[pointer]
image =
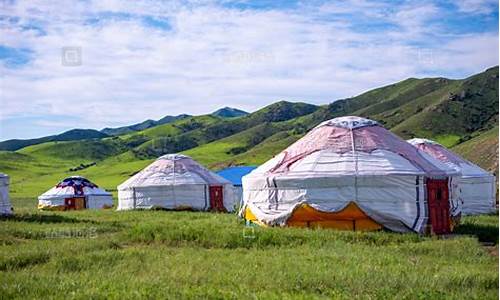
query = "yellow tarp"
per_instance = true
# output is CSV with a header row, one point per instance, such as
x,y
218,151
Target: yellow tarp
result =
x,y
349,218
52,207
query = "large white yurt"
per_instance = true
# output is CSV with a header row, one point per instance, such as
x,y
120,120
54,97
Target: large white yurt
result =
x,y
5,206
477,187
175,181
351,173
74,193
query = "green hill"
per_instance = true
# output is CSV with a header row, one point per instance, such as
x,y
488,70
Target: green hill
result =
x,y
71,135
482,149
143,125
462,114
229,112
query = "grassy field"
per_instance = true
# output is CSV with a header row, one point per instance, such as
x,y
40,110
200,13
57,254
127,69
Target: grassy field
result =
x,y
153,254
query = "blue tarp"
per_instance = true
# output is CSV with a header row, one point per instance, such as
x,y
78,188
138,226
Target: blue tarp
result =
x,y
234,174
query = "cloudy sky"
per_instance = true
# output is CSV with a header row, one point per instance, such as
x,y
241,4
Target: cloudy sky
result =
x,y
95,64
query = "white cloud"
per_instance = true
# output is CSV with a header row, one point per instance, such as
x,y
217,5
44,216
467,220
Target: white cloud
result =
x,y
476,6
215,56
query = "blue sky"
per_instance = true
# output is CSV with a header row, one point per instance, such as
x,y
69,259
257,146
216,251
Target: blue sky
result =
x,y
145,59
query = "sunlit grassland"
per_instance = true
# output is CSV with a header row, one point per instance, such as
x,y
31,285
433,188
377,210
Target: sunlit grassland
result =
x,y
153,254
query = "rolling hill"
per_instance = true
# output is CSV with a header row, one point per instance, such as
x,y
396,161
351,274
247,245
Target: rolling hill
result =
x,y
143,125
462,114
71,135
229,112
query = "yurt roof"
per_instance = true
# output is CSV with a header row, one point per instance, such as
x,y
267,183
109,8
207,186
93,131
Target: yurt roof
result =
x,y
234,174
441,153
173,169
77,180
352,145
73,186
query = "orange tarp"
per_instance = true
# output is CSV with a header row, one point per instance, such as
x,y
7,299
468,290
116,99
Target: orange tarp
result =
x,y
349,218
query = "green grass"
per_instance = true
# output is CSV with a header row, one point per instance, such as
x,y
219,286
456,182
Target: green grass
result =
x,y
447,140
482,149
158,254
230,147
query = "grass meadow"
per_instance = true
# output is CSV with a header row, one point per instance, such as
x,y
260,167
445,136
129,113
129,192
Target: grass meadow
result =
x,y
192,255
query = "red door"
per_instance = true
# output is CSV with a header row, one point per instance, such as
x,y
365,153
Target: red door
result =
x,y
216,198
74,203
69,203
439,206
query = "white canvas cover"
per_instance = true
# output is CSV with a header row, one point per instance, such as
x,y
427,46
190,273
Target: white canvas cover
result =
x,y
5,206
75,186
343,160
477,187
173,181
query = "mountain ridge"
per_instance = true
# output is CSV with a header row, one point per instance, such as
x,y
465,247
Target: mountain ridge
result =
x,y
142,125
229,112
70,135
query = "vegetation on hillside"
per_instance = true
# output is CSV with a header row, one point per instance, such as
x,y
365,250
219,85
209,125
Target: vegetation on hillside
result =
x,y
143,125
71,135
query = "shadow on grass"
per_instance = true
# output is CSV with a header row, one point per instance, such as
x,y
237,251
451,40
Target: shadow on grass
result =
x,y
484,233
42,218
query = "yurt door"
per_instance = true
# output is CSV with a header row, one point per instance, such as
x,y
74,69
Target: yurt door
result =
x,y
216,198
74,203
439,207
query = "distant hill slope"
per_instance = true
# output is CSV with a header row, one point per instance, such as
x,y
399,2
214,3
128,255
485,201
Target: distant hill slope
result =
x,y
482,149
447,110
229,112
143,125
71,135
462,114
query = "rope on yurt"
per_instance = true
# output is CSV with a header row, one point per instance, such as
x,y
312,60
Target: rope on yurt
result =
x,y
355,165
173,186
134,197
205,187
417,193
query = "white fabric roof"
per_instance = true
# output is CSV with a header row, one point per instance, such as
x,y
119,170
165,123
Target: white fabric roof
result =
x,y
350,122
173,169
326,159
449,158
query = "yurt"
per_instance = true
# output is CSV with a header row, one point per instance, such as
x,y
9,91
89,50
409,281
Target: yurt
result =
x,y
477,187
75,193
350,173
5,206
175,181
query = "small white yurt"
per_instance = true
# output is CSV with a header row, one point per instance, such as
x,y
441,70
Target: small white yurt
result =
x,y
175,181
477,187
74,193
351,173
5,206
